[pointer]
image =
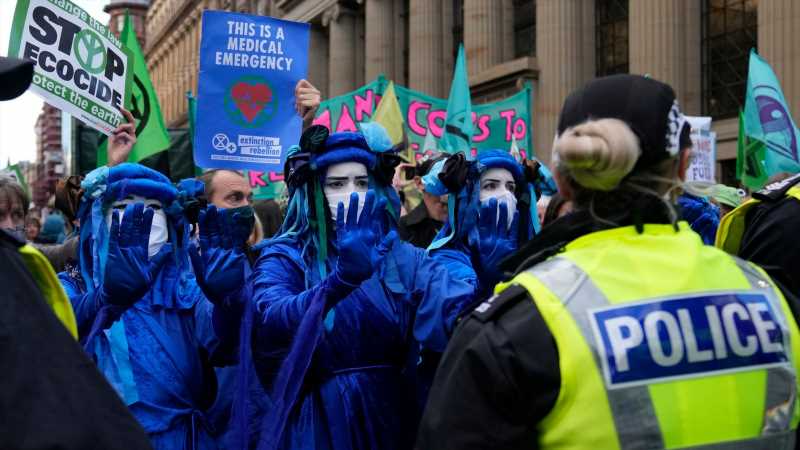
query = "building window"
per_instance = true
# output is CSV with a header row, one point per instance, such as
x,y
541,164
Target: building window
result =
x,y
524,28
729,31
611,37
458,26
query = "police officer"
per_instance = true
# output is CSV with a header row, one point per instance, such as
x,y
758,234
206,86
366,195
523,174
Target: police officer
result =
x,y
620,330
764,230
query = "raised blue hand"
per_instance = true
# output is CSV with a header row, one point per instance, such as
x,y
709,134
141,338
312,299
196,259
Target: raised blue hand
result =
x,y
495,240
129,273
219,261
360,252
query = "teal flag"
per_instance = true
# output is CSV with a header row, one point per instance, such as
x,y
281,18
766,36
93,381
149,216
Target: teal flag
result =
x,y
458,126
768,121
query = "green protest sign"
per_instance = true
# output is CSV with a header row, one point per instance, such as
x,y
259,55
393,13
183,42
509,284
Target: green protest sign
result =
x,y
495,125
79,65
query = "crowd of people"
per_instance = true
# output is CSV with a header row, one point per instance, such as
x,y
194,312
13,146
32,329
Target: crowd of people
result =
x,y
511,307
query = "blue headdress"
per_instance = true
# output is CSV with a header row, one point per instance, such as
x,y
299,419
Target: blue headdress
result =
x,y
102,187
307,216
460,178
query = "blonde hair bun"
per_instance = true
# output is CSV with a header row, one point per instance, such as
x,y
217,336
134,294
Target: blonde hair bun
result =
x,y
597,154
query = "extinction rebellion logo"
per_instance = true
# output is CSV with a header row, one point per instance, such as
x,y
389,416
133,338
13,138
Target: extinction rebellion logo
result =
x,y
89,51
250,101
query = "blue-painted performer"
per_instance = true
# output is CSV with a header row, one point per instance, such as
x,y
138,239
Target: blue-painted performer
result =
x,y
492,211
154,329
341,304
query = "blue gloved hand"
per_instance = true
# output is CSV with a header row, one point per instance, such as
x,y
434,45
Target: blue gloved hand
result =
x,y
495,240
219,261
360,252
129,274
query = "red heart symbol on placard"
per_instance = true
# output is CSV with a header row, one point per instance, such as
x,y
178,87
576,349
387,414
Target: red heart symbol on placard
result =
x,y
251,98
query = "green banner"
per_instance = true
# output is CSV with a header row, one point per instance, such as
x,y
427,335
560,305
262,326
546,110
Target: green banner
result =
x,y
495,125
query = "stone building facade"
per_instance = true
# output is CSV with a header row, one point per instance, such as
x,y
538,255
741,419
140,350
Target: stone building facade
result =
x,y
700,47
49,166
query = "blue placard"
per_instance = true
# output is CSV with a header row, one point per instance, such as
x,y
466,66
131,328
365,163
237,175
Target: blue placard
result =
x,y
249,66
692,336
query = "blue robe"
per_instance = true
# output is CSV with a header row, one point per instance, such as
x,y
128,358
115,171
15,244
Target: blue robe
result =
x,y
358,391
159,355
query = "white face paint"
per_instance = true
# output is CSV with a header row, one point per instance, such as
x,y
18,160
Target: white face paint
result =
x,y
343,179
499,184
158,230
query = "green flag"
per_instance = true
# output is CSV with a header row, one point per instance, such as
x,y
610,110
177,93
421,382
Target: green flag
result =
x,y
458,127
151,133
191,109
192,112
13,171
750,155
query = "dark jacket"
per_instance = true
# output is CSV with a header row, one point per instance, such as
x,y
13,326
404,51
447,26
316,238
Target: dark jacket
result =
x,y
52,393
417,228
771,240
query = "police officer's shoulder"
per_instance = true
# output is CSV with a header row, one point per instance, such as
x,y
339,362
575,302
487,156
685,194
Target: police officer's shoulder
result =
x,y
776,191
494,307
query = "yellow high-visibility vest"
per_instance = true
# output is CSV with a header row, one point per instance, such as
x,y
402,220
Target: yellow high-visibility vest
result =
x,y
732,225
664,342
51,288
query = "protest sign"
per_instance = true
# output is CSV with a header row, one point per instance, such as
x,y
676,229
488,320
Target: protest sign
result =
x,y
703,161
495,124
249,66
79,65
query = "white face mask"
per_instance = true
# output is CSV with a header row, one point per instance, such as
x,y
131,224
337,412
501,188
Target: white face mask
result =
x,y
499,184
159,228
343,179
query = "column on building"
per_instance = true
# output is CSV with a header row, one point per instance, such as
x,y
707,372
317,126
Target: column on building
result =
x,y
488,33
380,39
343,38
173,65
779,44
565,53
430,46
184,66
664,43
400,41
318,60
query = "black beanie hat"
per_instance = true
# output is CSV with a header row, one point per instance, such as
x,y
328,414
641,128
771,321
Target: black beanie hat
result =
x,y
648,107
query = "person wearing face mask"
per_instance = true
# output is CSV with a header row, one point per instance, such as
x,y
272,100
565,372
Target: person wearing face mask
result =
x,y
620,328
420,226
493,212
340,303
155,325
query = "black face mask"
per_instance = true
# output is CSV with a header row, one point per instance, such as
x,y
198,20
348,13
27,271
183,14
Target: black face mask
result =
x,y
18,232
